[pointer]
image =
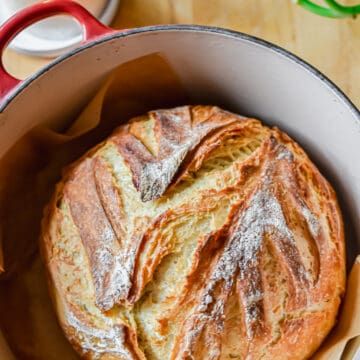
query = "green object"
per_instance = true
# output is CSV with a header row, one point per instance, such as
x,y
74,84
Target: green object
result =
x,y
333,9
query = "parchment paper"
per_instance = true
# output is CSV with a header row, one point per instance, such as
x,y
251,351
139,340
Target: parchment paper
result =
x,y
28,174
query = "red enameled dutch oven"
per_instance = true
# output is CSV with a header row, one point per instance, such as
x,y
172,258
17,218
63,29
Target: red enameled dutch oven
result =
x,y
245,74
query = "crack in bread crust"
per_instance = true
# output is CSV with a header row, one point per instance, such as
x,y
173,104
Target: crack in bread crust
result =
x,y
194,233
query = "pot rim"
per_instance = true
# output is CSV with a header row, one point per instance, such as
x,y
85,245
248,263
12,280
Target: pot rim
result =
x,y
190,28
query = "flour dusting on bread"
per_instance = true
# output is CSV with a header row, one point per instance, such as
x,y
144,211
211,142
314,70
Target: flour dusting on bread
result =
x,y
195,233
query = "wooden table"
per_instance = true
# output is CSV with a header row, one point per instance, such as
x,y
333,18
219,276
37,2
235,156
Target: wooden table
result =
x,y
333,46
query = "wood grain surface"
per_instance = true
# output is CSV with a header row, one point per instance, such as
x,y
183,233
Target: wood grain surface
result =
x,y
333,46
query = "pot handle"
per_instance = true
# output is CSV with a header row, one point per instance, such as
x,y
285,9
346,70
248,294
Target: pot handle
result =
x,y
92,29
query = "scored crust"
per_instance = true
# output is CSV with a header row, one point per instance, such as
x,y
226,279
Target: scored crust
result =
x,y
195,233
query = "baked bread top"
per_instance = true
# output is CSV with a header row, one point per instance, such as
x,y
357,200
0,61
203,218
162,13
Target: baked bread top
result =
x,y
195,233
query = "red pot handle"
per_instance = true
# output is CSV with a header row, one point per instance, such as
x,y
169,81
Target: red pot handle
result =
x,y
91,26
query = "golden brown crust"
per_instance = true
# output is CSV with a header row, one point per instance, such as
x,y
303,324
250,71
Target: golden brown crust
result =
x,y
195,233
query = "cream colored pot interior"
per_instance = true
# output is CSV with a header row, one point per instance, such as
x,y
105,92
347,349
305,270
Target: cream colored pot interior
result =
x,y
218,67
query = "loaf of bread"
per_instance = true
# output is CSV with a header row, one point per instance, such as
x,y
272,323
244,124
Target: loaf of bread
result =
x,y
195,233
